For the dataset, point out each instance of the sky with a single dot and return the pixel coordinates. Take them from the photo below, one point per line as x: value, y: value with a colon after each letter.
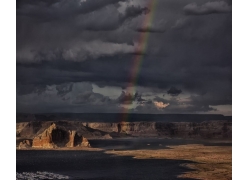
x: 80, y: 56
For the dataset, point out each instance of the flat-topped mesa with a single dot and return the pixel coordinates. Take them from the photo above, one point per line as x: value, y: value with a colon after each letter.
x: 206, y: 130
x: 58, y: 136
x: 124, y: 127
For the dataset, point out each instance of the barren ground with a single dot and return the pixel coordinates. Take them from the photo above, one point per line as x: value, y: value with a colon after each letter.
x: 211, y: 162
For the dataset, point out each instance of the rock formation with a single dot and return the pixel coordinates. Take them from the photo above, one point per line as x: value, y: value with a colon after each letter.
x: 44, y: 140
x: 107, y: 136
x: 207, y: 129
x: 85, y: 142
x: 24, y: 144
x: 71, y: 138
x: 56, y: 134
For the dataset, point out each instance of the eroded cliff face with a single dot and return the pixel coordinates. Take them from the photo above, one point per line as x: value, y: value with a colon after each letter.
x: 24, y: 144
x: 48, y: 134
x: 52, y: 135
x: 207, y: 129
x: 44, y: 139
x: 59, y: 136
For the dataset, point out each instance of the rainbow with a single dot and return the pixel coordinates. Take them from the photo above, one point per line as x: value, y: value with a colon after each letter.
x: 138, y: 58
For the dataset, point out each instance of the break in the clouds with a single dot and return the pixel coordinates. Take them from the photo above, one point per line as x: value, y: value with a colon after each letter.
x: 79, y: 56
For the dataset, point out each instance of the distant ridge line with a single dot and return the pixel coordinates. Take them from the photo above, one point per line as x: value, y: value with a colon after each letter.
x: 115, y: 117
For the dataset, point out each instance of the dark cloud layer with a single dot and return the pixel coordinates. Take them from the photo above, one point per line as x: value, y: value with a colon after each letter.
x: 63, y: 43
x: 174, y: 92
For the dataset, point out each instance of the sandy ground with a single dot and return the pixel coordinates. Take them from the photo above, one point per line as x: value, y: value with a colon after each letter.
x: 210, y: 162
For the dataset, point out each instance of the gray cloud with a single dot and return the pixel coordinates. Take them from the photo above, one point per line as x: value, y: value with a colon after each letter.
x: 96, y: 43
x: 63, y: 89
x: 44, y: 11
x: 133, y: 11
x: 23, y: 89
x: 207, y: 8
x: 78, y: 52
x: 128, y: 98
x: 173, y: 91
x: 150, y: 29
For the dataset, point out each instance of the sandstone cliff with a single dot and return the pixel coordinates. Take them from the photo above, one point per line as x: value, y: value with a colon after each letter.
x: 59, y: 136
x: 52, y: 134
x: 55, y: 134
x: 207, y: 129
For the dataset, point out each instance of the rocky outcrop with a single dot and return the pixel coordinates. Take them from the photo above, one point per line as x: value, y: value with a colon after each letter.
x: 59, y: 136
x: 20, y: 127
x: 24, y: 144
x: 71, y: 139
x: 85, y: 142
x: 106, y: 127
x: 44, y: 140
x: 107, y: 136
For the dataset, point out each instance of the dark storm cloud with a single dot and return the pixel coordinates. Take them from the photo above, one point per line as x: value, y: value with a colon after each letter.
x: 207, y: 8
x: 63, y: 89
x: 150, y: 29
x: 23, y: 89
x: 95, y: 41
x: 134, y: 11
x: 173, y: 91
x: 91, y: 98
x: 125, y: 98
x: 86, y: 15
x: 45, y: 11
x: 59, y: 27
x: 128, y: 98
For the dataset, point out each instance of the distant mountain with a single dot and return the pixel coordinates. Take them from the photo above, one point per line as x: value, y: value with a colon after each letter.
x: 119, y: 117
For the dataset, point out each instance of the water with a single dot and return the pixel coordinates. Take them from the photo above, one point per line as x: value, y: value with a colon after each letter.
x: 99, y: 165
x: 148, y: 143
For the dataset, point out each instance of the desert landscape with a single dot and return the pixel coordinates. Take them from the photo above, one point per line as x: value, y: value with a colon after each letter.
x: 124, y: 89
x: 202, y: 150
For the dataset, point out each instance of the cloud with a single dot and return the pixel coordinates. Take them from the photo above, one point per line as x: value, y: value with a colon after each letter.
x: 97, y: 15
x: 150, y: 29
x: 180, y: 23
x: 174, y: 92
x: 207, y: 8
x: 96, y: 41
x: 77, y: 52
x: 156, y: 26
x: 160, y: 105
x: 78, y: 97
x: 63, y: 89
x: 44, y: 11
x: 23, y: 89
x: 133, y: 11
x: 128, y: 98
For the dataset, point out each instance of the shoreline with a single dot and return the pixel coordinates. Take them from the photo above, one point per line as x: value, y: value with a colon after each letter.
x: 206, y: 162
